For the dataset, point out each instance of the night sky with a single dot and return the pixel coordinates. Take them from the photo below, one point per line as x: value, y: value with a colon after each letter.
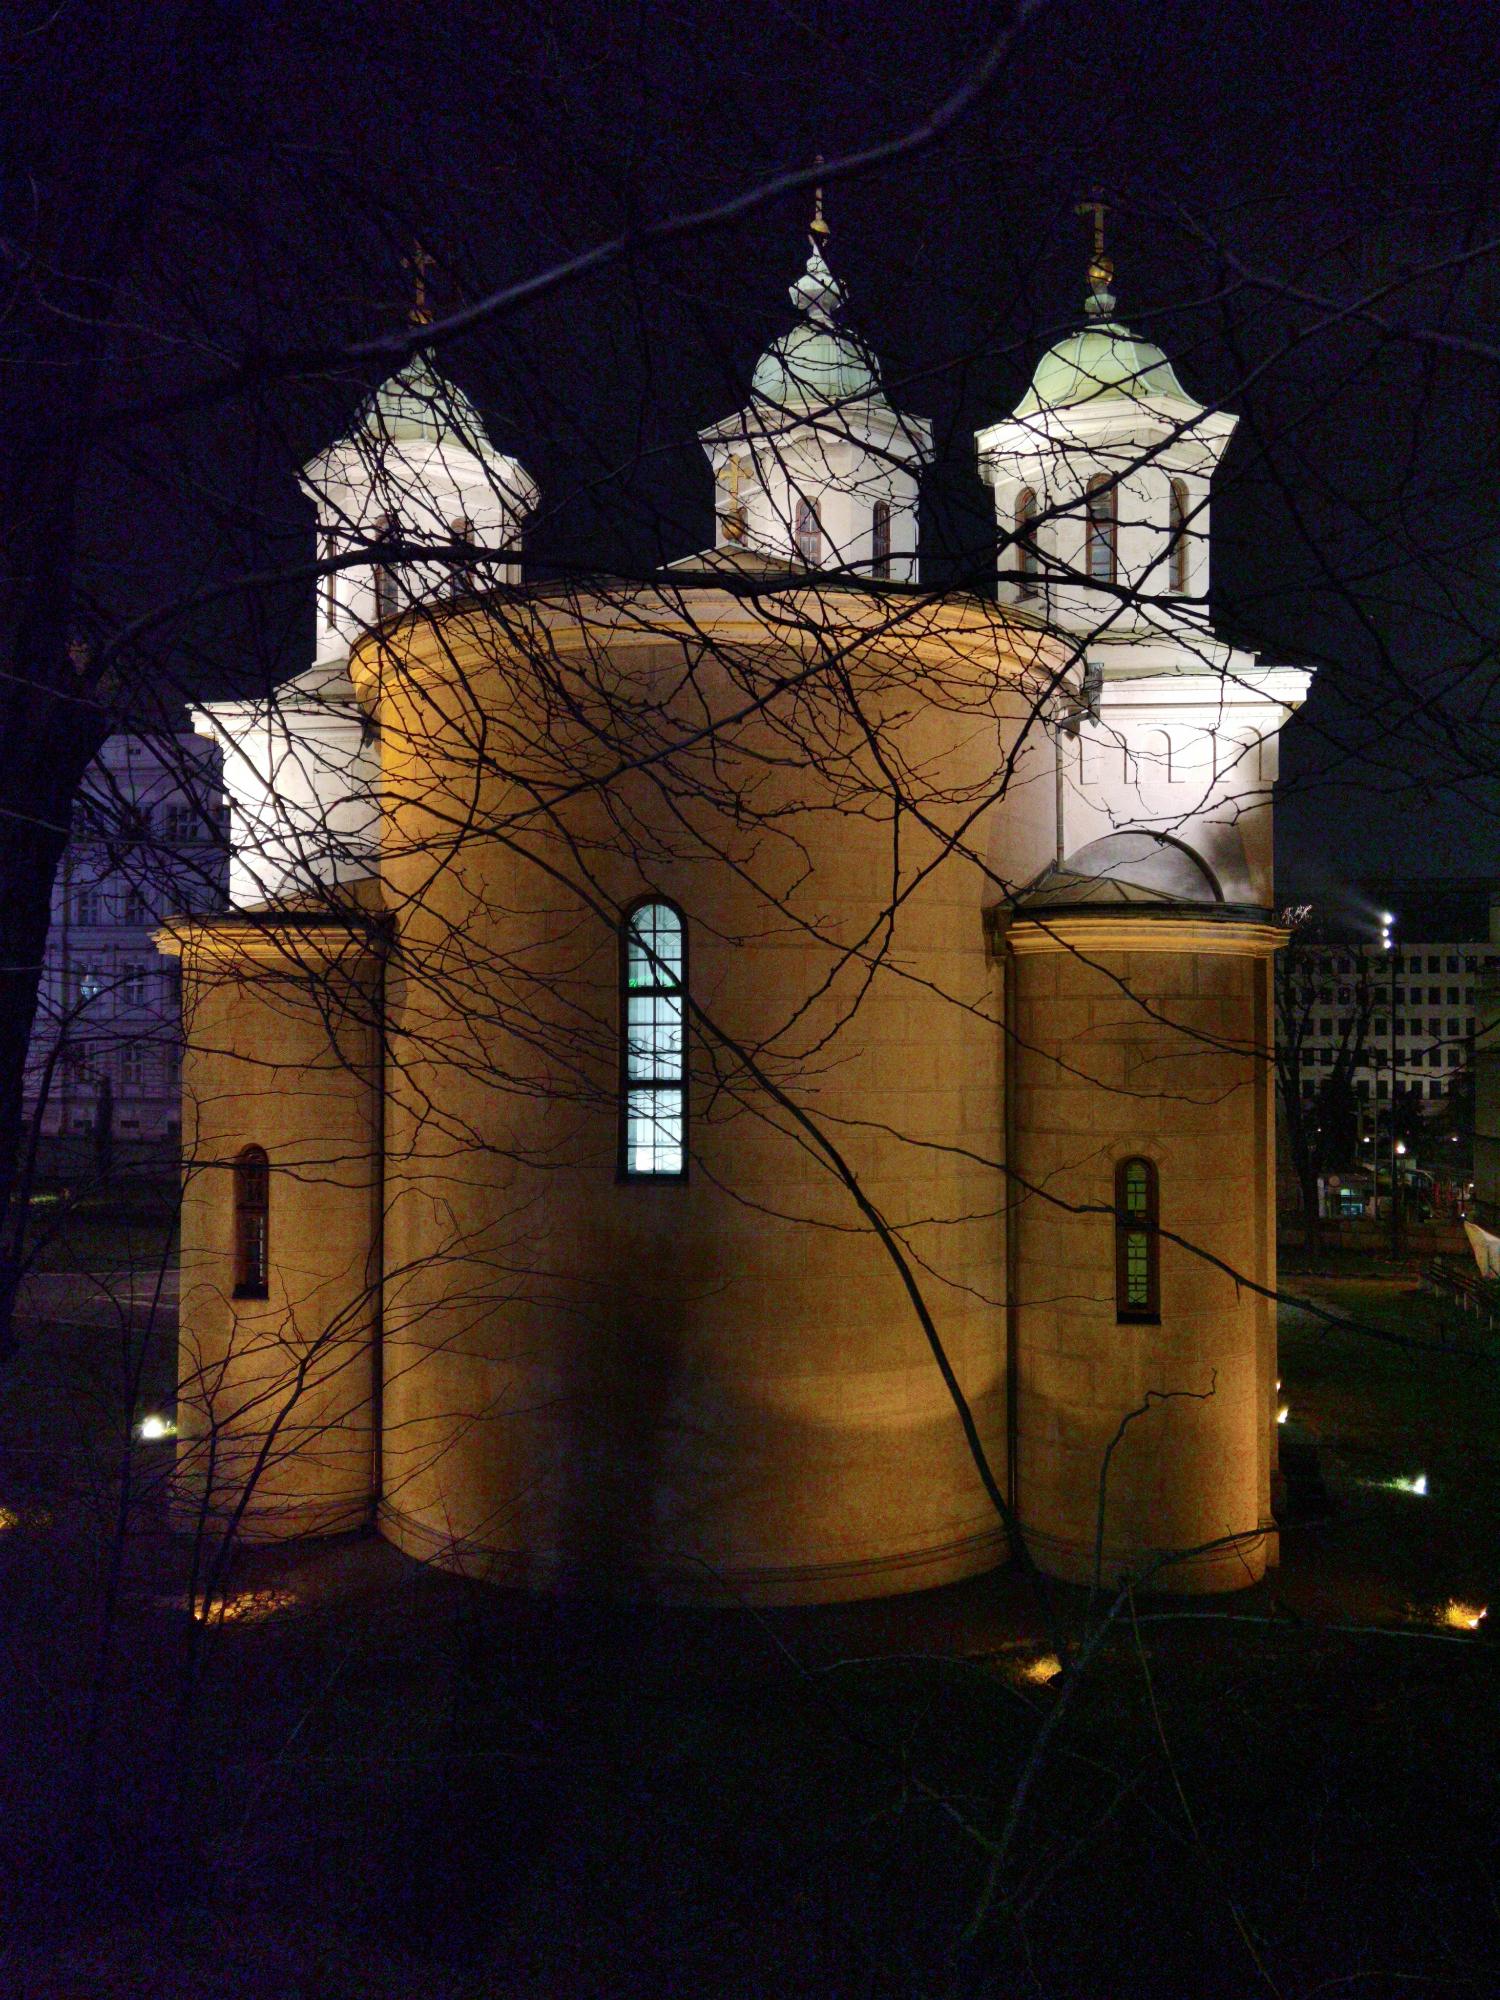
x: 1304, y: 199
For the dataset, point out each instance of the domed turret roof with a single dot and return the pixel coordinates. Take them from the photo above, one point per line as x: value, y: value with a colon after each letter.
x: 1102, y: 362
x: 418, y: 404
x: 818, y: 363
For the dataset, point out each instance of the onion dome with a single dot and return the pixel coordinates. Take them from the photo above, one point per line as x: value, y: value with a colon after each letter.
x: 418, y: 405
x: 819, y: 363
x: 1102, y: 362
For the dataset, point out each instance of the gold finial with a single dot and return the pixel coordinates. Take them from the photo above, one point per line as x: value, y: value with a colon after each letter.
x: 420, y: 264
x: 1101, y: 268
x: 818, y: 227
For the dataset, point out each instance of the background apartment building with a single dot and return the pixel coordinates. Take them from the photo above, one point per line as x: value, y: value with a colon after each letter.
x: 148, y: 840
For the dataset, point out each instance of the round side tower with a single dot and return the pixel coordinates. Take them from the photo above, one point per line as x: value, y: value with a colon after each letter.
x: 1143, y: 1140
x: 279, y: 1325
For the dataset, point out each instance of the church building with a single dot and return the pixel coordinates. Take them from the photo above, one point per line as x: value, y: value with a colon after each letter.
x: 751, y: 1083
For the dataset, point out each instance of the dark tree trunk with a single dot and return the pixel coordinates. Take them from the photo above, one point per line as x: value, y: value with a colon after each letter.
x: 1312, y: 1220
x: 38, y: 789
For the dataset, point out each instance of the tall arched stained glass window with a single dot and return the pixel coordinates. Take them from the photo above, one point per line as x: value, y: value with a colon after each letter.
x: 463, y: 577
x: 654, y: 1002
x: 328, y: 548
x: 1137, y: 1244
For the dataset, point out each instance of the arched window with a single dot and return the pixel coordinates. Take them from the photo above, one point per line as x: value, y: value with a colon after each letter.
x: 1099, y: 532
x: 653, y: 966
x: 463, y: 577
x: 384, y: 575
x: 1177, y: 538
x: 329, y: 548
x: 1025, y: 543
x: 808, y: 530
x: 1137, y: 1245
x: 880, y: 540
x: 252, y: 1223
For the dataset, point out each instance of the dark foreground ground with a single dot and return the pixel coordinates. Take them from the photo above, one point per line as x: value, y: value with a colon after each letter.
x: 390, y: 1783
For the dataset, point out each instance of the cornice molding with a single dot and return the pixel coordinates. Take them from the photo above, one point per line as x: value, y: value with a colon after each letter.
x: 1138, y: 930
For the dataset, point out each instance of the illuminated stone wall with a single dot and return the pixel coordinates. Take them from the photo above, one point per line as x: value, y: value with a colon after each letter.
x: 720, y: 1382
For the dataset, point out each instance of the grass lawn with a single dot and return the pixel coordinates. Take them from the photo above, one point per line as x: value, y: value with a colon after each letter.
x: 129, y: 1225
x: 1382, y: 1412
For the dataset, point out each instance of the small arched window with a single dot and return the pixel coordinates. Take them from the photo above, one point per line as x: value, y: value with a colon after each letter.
x: 463, y: 576
x: 384, y: 576
x: 1025, y: 543
x: 653, y: 968
x: 1099, y: 532
x: 1177, y: 538
x: 328, y: 549
x: 808, y: 530
x: 1137, y: 1243
x: 880, y: 540
x: 252, y: 1223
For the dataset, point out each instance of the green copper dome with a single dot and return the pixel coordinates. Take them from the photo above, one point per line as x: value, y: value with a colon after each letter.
x: 817, y: 364
x: 420, y: 405
x: 813, y: 366
x: 1102, y: 362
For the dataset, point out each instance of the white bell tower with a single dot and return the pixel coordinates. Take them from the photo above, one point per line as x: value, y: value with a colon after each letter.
x: 1101, y: 477
x: 819, y: 470
x: 417, y: 470
x: 1167, y: 739
x: 301, y: 769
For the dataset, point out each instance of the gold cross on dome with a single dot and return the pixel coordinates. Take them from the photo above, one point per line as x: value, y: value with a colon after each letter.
x: 419, y: 263
x: 1098, y: 208
x: 1101, y: 268
x: 818, y: 227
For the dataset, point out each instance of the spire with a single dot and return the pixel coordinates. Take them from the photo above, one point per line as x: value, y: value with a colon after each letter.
x: 419, y: 401
x: 819, y: 470
x: 1101, y: 301
x: 817, y: 294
